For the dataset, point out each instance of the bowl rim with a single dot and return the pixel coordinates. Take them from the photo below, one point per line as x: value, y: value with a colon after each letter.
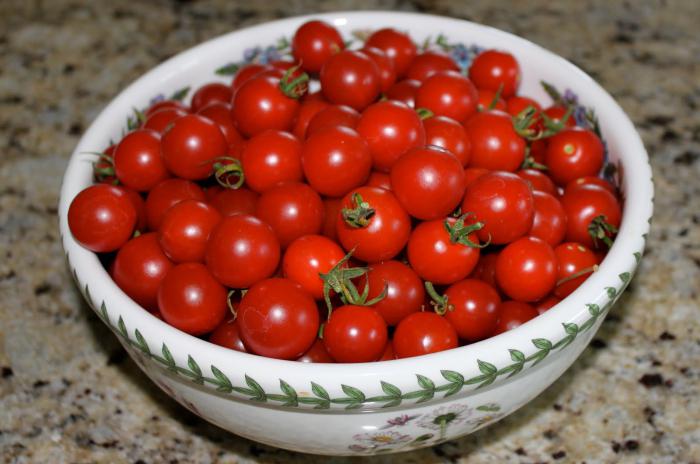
x: 197, y: 360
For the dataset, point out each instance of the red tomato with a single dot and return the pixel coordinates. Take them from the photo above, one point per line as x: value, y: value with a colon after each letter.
x: 390, y: 129
x: 270, y: 158
x: 398, y: 47
x: 556, y: 114
x: 140, y: 207
x: 355, y: 334
x: 488, y: 100
x: 429, y: 182
x: 517, y: 104
x: 423, y: 333
x: 185, y: 229
x: 486, y: 269
x: 373, y: 224
x: 228, y: 335
x: 191, y: 146
x: 472, y: 174
x: 428, y: 63
x: 137, y: 161
x: 292, y: 209
x: 350, y: 78
x: 229, y: 202
x: 139, y: 268
x: 190, y: 299
x: 277, y: 319
x: 102, y: 218
x: 404, y: 290
x: 538, y: 180
x: 587, y: 180
x: 549, y: 222
x: 526, y: 269
x: 211, y: 93
x: 242, y: 250
x: 447, y: 133
x: 331, y: 210
x: 538, y: 150
x: 331, y: 116
x: 165, y: 104
x: 472, y: 309
x: 166, y: 194
x: 247, y: 72
x: 316, y: 354
x: 220, y: 113
x: 493, y: 69
x: 387, y: 73
x: 336, y: 160
x: 503, y: 202
x: 161, y: 119
x: 309, y: 256
x: 546, y: 304
x: 307, y: 111
x: 575, y: 263
x: 379, y: 179
x: 495, y: 144
x: 574, y: 153
x: 388, y: 354
x: 441, y: 256
x: 314, y: 43
x: 404, y: 91
x: 582, y: 206
x: 513, y: 314
x: 448, y: 93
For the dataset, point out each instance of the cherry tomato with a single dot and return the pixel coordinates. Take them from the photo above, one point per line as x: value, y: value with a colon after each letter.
x: 331, y: 116
x: 247, y: 72
x: 556, y: 113
x: 185, y: 229
x: 538, y: 180
x: 137, y: 161
x: 191, y: 146
x: 336, y: 160
x: 448, y: 93
x: 211, y: 93
x: 278, y: 319
x: 429, y: 182
x: 503, y: 202
x: 472, y: 309
x: 428, y: 63
x: 379, y: 179
x: 373, y: 224
x: 493, y: 69
x: 140, y: 207
x: 447, y: 133
x: 139, y: 268
x: 404, y: 91
x: 582, y: 206
x: 292, y: 209
x: 166, y: 194
x: 485, y: 269
x: 574, y: 153
x: 220, y: 113
x: 229, y: 202
x: 350, y: 78
x: 307, y: 257
x: 390, y: 129
x: 165, y: 104
x: 355, y: 334
x: 316, y: 354
x: 495, y: 143
x: 575, y: 263
x: 538, y: 150
x: 549, y: 222
x: 404, y: 293
x: 388, y: 354
x: 472, y: 174
x: 102, y: 218
x: 423, y: 333
x: 526, y: 269
x: 228, y: 335
x: 387, y: 73
x: 307, y: 111
x: 513, y: 314
x: 398, y: 47
x: 331, y: 210
x: 516, y: 104
x: 242, y: 250
x: 270, y: 158
x: 314, y: 42
x: 190, y: 299
x: 161, y: 119
x: 441, y: 256
x: 488, y: 100
x: 546, y: 304
x: 586, y: 180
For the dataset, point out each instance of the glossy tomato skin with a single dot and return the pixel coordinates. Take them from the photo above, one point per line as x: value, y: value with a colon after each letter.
x: 185, y: 230
x: 503, y: 202
x: 387, y: 73
x: 526, y: 269
x: 307, y: 257
x: 165, y: 104
x: 314, y: 42
x: 386, y: 231
x: 242, y: 250
x: 350, y: 78
x: 388, y: 354
x: 355, y: 334
x: 161, y: 119
x: 574, y: 153
x: 390, y: 129
x: 584, y: 204
x: 166, y: 194
x: 428, y: 63
x: 557, y: 112
x: 587, y: 180
x: 191, y: 146
x: 398, y: 47
x: 137, y: 161
x: 190, y: 299
x: 429, y: 182
x: 260, y: 104
x: 212, y: 92
x: 331, y: 116
x: 495, y: 144
x: 513, y: 314
x: 228, y: 335
x: 473, y: 309
x: 277, y: 319
x: 404, y: 290
x: 492, y: 69
x: 549, y: 222
x: 485, y: 269
x: 292, y: 209
x: 270, y: 158
x: 331, y: 209
x: 308, y: 109
x: 573, y: 259
x: 379, y: 179
x: 472, y: 174
x: 404, y: 91
x: 336, y: 160
x: 102, y: 218
x: 423, y: 333
x: 139, y: 268
x: 230, y: 202
x: 489, y: 100
x: 444, y: 132
x: 316, y: 354
x: 546, y: 304
x: 140, y: 207
x: 448, y: 93
x: 220, y: 113
x: 246, y: 73
x: 538, y: 181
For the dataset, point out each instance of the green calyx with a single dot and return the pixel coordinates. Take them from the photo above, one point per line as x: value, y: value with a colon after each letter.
x: 524, y: 121
x: 360, y: 215
x: 294, y: 88
x: 340, y: 280
x: 439, y: 302
x: 228, y: 172
x: 601, y: 230
x: 459, y: 231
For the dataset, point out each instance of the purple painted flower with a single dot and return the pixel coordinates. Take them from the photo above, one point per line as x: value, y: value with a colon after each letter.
x: 570, y: 97
x: 463, y: 55
x: 158, y: 98
x: 249, y: 54
x: 398, y: 421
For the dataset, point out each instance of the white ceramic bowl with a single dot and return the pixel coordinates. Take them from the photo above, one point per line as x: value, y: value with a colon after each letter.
x: 375, y: 407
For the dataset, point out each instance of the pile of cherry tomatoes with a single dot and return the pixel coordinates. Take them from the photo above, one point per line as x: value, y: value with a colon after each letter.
x: 404, y: 208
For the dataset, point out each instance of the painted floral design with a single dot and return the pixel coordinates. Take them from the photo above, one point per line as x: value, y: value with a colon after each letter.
x: 446, y: 416
x: 399, y: 421
x: 384, y: 438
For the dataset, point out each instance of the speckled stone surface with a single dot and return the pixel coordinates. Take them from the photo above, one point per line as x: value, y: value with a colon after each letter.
x: 68, y: 391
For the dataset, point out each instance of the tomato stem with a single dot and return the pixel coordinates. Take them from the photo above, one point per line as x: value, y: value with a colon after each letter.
x: 459, y: 231
x: 496, y: 97
x: 424, y: 113
x: 223, y: 172
x: 439, y: 302
x: 229, y: 295
x: 294, y: 88
x: 360, y: 215
x: 601, y: 230
x: 578, y: 274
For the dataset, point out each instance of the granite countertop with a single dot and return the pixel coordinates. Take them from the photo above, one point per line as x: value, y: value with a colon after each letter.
x: 69, y: 392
